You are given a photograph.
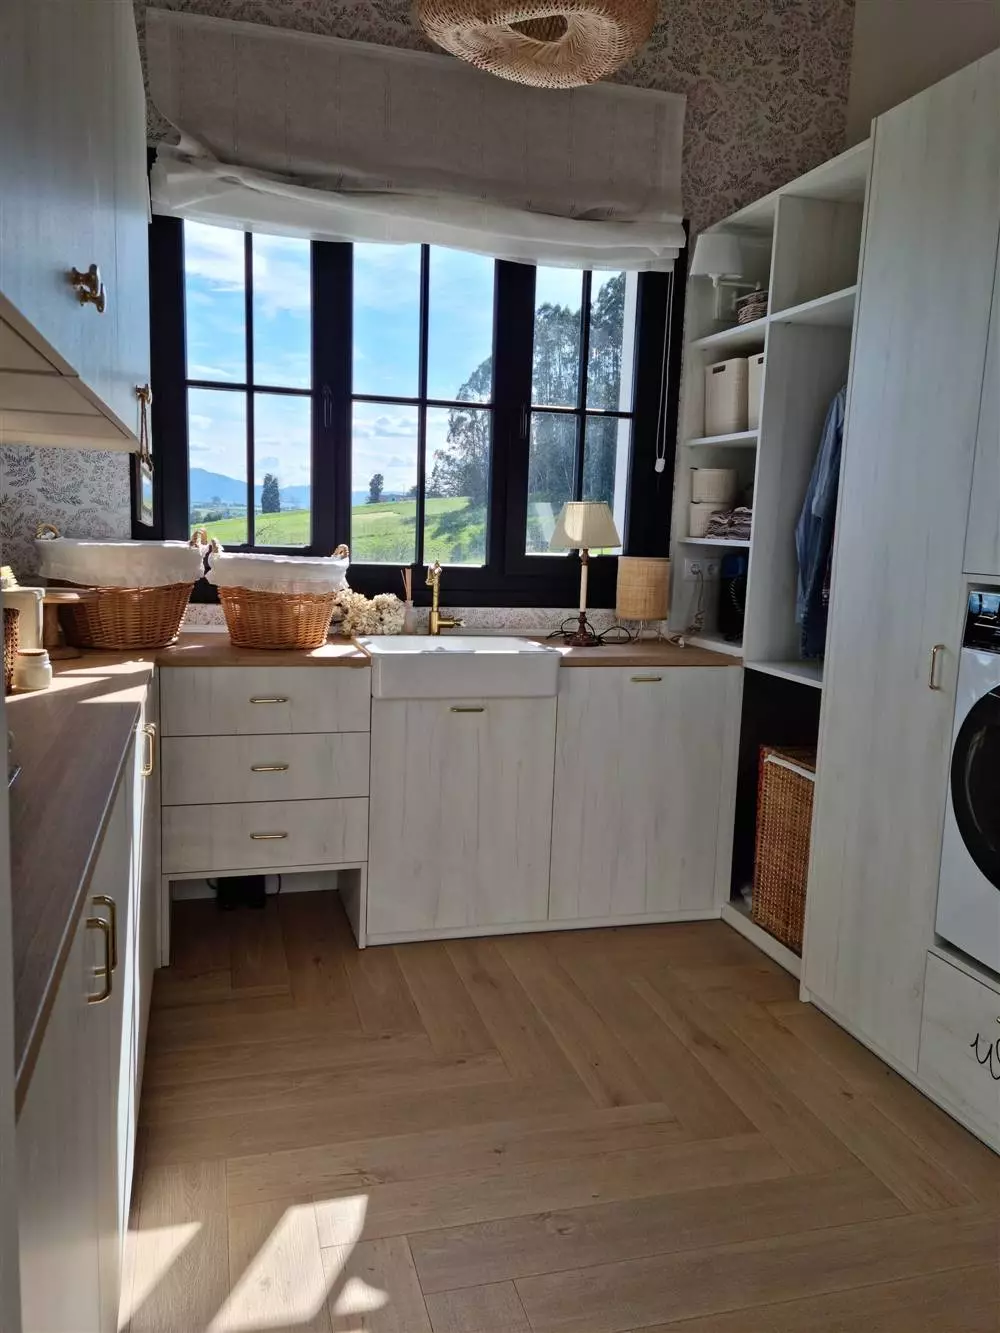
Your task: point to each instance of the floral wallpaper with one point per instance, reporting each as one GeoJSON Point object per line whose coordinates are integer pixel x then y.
{"type": "Point", "coordinates": [766, 80]}
{"type": "Point", "coordinates": [84, 492]}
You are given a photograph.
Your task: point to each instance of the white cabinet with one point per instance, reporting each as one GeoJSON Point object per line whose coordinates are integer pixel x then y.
{"type": "Point", "coordinates": [960, 1045]}
{"type": "Point", "coordinates": [264, 701]}
{"type": "Point", "coordinates": [72, 180]}
{"type": "Point", "coordinates": [982, 541]}
{"type": "Point", "coordinates": [461, 815]}
{"type": "Point", "coordinates": [917, 371]}
{"type": "Point", "coordinates": [640, 762]}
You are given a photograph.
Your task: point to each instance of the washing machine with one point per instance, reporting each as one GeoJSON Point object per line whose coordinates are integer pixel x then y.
{"type": "Point", "coordinates": [968, 913]}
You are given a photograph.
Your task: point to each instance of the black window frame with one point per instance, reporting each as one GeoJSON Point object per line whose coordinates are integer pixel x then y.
{"type": "Point", "coordinates": [510, 577]}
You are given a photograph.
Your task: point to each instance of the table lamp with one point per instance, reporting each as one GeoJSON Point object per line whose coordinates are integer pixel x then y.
{"type": "Point", "coordinates": [584, 525]}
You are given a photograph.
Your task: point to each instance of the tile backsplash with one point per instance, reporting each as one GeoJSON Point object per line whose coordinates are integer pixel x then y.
{"type": "Point", "coordinates": [84, 492]}
{"type": "Point", "coordinates": [477, 619]}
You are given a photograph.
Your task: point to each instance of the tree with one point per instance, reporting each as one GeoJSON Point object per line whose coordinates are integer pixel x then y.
{"type": "Point", "coordinates": [375, 488]}
{"type": "Point", "coordinates": [270, 496]}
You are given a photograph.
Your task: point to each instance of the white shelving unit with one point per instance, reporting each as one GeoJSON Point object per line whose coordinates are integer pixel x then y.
{"type": "Point", "coordinates": [740, 439]}
{"type": "Point", "coordinates": [803, 673]}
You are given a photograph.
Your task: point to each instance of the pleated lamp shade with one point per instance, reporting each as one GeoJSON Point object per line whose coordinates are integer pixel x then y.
{"type": "Point", "coordinates": [643, 588]}
{"type": "Point", "coordinates": [584, 525]}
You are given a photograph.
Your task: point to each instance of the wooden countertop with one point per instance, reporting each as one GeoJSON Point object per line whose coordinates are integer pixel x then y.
{"type": "Point", "coordinates": [648, 653]}
{"type": "Point", "coordinates": [71, 742]}
{"type": "Point", "coordinates": [214, 649]}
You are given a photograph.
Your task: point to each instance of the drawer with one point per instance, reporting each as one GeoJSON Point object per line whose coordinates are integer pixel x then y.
{"type": "Point", "coordinates": [960, 1044]}
{"type": "Point", "coordinates": [264, 835]}
{"type": "Point", "coordinates": [214, 770]}
{"type": "Point", "coordinates": [264, 701]}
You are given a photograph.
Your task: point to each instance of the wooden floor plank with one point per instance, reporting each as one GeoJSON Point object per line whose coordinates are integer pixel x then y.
{"type": "Point", "coordinates": [615, 1297]}
{"type": "Point", "coordinates": [964, 1300]}
{"type": "Point", "coordinates": [258, 957]}
{"type": "Point", "coordinates": [373, 1288]}
{"type": "Point", "coordinates": [798, 1135]}
{"type": "Point", "coordinates": [277, 1273]}
{"type": "Point", "coordinates": [313, 937]}
{"type": "Point", "coordinates": [691, 1216]}
{"type": "Point", "coordinates": [450, 1019]}
{"type": "Point", "coordinates": [493, 1309]}
{"type": "Point", "coordinates": [383, 1000]}
{"type": "Point", "coordinates": [463, 1200]}
{"type": "Point", "coordinates": [473, 1149]}
{"type": "Point", "coordinates": [181, 1265]}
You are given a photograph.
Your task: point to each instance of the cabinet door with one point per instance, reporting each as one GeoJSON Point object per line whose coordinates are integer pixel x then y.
{"type": "Point", "coordinates": [640, 759]}
{"type": "Point", "coordinates": [57, 1140]}
{"type": "Point", "coordinates": [927, 278]}
{"type": "Point", "coordinates": [57, 173]}
{"type": "Point", "coordinates": [982, 542]}
{"type": "Point", "coordinates": [461, 813]}
{"type": "Point", "coordinates": [147, 873]}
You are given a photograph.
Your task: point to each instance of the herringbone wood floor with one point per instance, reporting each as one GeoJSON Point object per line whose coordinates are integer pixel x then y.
{"type": "Point", "coordinates": [587, 1132]}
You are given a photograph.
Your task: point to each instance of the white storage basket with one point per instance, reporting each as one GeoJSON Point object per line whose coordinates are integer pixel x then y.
{"type": "Point", "coordinates": [755, 387]}
{"type": "Point", "coordinates": [125, 564]}
{"type": "Point", "coordinates": [714, 485]}
{"type": "Point", "coordinates": [726, 397]}
{"type": "Point", "coordinates": [278, 573]}
{"type": "Point", "coordinates": [700, 517]}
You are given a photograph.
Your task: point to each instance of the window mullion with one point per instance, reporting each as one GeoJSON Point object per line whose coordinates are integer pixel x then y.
{"type": "Point", "coordinates": [248, 321]}
{"type": "Point", "coordinates": [332, 317]}
{"type": "Point", "coordinates": [513, 346]}
{"type": "Point", "coordinates": [581, 397]}
{"type": "Point", "coordinates": [421, 504]}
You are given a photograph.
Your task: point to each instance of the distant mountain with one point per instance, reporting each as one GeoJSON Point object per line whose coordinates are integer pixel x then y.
{"type": "Point", "coordinates": [209, 486]}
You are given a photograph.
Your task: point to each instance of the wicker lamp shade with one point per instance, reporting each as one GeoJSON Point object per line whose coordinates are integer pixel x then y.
{"type": "Point", "coordinates": [643, 588]}
{"type": "Point", "coordinates": [543, 43]}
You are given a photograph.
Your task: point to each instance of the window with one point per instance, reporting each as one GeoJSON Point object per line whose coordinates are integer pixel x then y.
{"type": "Point", "coordinates": [420, 403]}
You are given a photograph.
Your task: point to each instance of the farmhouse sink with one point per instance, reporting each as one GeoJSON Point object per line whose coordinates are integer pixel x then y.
{"type": "Point", "coordinates": [462, 666]}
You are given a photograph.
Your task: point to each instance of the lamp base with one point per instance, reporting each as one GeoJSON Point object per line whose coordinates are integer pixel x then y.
{"type": "Point", "coordinates": [582, 635]}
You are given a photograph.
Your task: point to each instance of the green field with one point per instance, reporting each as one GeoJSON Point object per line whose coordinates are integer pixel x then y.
{"type": "Point", "coordinates": [455, 532]}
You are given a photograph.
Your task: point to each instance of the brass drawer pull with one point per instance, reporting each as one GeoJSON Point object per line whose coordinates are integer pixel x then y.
{"type": "Point", "coordinates": [102, 900]}
{"type": "Point", "coordinates": [471, 708]}
{"type": "Point", "coordinates": [268, 768]}
{"type": "Point", "coordinates": [268, 837]}
{"type": "Point", "coordinates": [269, 699]}
{"type": "Point", "coordinates": [646, 680]}
{"type": "Point", "coordinates": [149, 762]}
{"type": "Point", "coordinates": [99, 923]}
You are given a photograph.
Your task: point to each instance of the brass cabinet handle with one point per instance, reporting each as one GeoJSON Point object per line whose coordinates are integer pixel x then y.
{"type": "Point", "coordinates": [90, 288]}
{"type": "Point", "coordinates": [933, 679]}
{"type": "Point", "coordinates": [102, 900]}
{"type": "Point", "coordinates": [268, 837]}
{"type": "Point", "coordinates": [268, 768]}
{"type": "Point", "coordinates": [471, 708]}
{"type": "Point", "coordinates": [149, 762]}
{"type": "Point", "coordinates": [99, 923]}
{"type": "Point", "coordinates": [269, 699]}
{"type": "Point", "coordinates": [646, 680]}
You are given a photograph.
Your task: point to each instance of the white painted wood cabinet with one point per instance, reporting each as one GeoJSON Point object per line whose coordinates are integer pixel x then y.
{"type": "Point", "coordinates": [642, 758]}
{"type": "Point", "coordinates": [73, 184]}
{"type": "Point", "coordinates": [928, 272]}
{"type": "Point", "coordinates": [982, 541]}
{"type": "Point", "coordinates": [461, 815]}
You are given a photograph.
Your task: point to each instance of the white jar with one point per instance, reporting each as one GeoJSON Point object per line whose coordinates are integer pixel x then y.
{"type": "Point", "coordinates": [32, 669]}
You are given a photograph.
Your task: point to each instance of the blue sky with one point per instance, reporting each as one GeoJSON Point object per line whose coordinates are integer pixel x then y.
{"type": "Point", "coordinates": [386, 308]}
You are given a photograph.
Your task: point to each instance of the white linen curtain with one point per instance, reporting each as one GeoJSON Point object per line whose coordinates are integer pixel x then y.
{"type": "Point", "coordinates": [294, 133]}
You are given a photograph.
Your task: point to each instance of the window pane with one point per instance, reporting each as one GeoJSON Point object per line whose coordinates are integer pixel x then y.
{"type": "Point", "coordinates": [282, 309]}
{"type": "Point", "coordinates": [606, 448]}
{"type": "Point", "coordinates": [384, 472]}
{"type": "Point", "coordinates": [386, 319]}
{"type": "Point", "coordinates": [217, 463]}
{"type": "Point", "coordinates": [458, 479]}
{"type": "Point", "coordinates": [612, 341]}
{"type": "Point", "coordinates": [214, 306]}
{"type": "Point", "coordinates": [555, 374]}
{"type": "Point", "coordinates": [460, 332]}
{"type": "Point", "coordinates": [282, 470]}
{"type": "Point", "coordinates": [551, 464]}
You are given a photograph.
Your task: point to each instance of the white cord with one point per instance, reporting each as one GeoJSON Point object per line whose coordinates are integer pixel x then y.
{"type": "Point", "coordinates": [698, 620]}
{"type": "Point", "coordinates": [661, 443]}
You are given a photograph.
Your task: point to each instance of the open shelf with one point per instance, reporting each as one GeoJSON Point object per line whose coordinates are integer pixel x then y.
{"type": "Point", "coordinates": [737, 914]}
{"type": "Point", "coordinates": [716, 643]}
{"type": "Point", "coordinates": [741, 438]}
{"type": "Point", "coordinates": [739, 543]}
{"type": "Point", "coordinates": [740, 338]}
{"type": "Point", "coordinates": [804, 673]}
{"type": "Point", "coordinates": [834, 311]}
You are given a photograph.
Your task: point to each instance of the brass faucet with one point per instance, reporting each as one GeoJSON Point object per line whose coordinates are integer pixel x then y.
{"type": "Point", "coordinates": [438, 621]}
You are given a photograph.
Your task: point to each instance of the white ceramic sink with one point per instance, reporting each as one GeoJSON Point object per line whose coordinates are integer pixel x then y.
{"type": "Point", "coordinates": [461, 666]}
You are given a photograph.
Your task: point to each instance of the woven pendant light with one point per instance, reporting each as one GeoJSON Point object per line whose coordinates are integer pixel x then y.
{"type": "Point", "coordinates": [543, 43]}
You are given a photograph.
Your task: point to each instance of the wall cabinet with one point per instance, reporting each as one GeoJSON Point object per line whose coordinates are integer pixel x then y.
{"type": "Point", "coordinates": [73, 182]}
{"type": "Point", "coordinates": [640, 763]}
{"type": "Point", "coordinates": [461, 815]}
{"type": "Point", "coordinates": [928, 273]}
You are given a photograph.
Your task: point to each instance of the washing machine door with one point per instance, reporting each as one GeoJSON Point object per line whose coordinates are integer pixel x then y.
{"type": "Point", "coordinates": [975, 784]}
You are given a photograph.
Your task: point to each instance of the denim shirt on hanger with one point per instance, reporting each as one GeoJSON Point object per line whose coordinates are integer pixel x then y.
{"type": "Point", "coordinates": [814, 531]}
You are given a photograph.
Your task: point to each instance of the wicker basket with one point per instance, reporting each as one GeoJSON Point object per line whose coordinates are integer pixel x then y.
{"type": "Point", "coordinates": [751, 307]}
{"type": "Point", "coordinates": [127, 618]}
{"type": "Point", "coordinates": [11, 638]}
{"type": "Point", "coordinates": [277, 619]}
{"type": "Point", "coordinates": [784, 821]}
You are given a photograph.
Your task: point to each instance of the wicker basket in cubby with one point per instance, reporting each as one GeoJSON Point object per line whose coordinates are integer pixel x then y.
{"type": "Point", "coordinates": [784, 820]}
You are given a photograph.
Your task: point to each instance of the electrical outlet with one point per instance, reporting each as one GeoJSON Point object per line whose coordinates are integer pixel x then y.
{"type": "Point", "coordinates": [701, 569]}
{"type": "Point", "coordinates": [711, 569]}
